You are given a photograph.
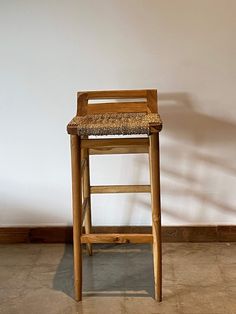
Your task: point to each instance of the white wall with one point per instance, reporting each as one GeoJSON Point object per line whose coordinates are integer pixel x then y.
{"type": "Point", "coordinates": [51, 49]}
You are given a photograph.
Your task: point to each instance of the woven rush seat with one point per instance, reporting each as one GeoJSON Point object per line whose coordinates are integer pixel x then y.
{"type": "Point", "coordinates": [114, 124]}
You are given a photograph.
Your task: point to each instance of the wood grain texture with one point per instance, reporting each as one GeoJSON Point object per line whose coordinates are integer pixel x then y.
{"type": "Point", "coordinates": [77, 213]}
{"type": "Point", "coordinates": [114, 143]}
{"type": "Point", "coordinates": [82, 103]}
{"type": "Point", "coordinates": [83, 107]}
{"type": "Point", "coordinates": [116, 238]}
{"type": "Point", "coordinates": [132, 149]}
{"type": "Point", "coordinates": [117, 107]}
{"type": "Point", "coordinates": [156, 213]}
{"type": "Point", "coordinates": [120, 189]}
{"type": "Point", "coordinates": [84, 208]}
{"type": "Point", "coordinates": [152, 100]}
{"type": "Point", "coordinates": [118, 94]}
{"type": "Point", "coordinates": [86, 196]}
{"type": "Point", "coordinates": [83, 165]}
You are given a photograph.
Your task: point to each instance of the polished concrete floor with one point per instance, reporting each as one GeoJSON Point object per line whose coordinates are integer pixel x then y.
{"type": "Point", "coordinates": [198, 278]}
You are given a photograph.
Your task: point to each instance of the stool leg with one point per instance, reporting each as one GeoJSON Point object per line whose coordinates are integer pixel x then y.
{"type": "Point", "coordinates": [156, 213]}
{"type": "Point", "coordinates": [86, 194]}
{"type": "Point", "coordinates": [77, 208]}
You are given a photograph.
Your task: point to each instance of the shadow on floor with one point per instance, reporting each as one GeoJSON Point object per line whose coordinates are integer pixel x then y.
{"type": "Point", "coordinates": [113, 270]}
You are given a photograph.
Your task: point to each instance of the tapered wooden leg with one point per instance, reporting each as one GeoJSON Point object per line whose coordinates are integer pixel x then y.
{"type": "Point", "coordinates": [86, 194]}
{"type": "Point", "coordinates": [156, 213]}
{"type": "Point", "coordinates": [77, 207]}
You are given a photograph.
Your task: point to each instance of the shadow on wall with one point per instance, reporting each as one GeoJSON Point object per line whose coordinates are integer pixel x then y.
{"type": "Point", "coordinates": [198, 172]}
{"type": "Point", "coordinates": [187, 124]}
{"type": "Point", "coordinates": [198, 162]}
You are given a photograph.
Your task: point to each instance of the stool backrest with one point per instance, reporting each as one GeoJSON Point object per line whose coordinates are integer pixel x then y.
{"type": "Point", "coordinates": [98, 102]}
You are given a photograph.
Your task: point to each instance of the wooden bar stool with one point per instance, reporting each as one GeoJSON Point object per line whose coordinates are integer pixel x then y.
{"type": "Point", "coordinates": [134, 112]}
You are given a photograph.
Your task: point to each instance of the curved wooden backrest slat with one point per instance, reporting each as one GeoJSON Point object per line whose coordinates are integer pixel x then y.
{"type": "Point", "coordinates": [147, 103]}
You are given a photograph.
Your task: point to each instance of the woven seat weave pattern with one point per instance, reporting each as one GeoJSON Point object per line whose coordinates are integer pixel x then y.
{"type": "Point", "coordinates": [115, 124]}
